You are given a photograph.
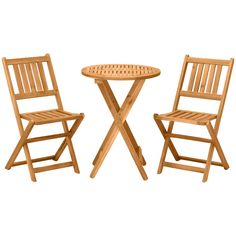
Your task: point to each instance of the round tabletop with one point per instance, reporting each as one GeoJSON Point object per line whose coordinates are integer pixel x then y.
{"type": "Point", "coordinates": [120, 72]}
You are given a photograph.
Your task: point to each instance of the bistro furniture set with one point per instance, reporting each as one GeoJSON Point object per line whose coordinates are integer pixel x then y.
{"type": "Point", "coordinates": [34, 77]}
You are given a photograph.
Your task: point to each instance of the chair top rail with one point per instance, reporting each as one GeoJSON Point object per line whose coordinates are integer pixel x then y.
{"type": "Point", "coordinates": [208, 61]}
{"type": "Point", "coordinates": [14, 61]}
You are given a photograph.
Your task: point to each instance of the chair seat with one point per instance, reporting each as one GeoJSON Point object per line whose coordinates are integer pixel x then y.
{"type": "Point", "coordinates": [198, 118]}
{"type": "Point", "coordinates": [49, 116]}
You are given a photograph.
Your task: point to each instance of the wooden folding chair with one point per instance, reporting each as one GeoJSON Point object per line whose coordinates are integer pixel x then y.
{"type": "Point", "coordinates": [34, 77]}
{"type": "Point", "coordinates": [203, 83]}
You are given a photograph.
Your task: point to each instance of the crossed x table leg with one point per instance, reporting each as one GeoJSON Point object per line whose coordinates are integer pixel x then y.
{"type": "Point", "coordinates": [120, 124]}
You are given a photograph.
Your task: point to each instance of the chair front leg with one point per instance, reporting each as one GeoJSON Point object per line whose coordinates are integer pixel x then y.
{"type": "Point", "coordinates": [217, 146]}
{"type": "Point", "coordinates": [71, 133]}
{"type": "Point", "coordinates": [71, 148]}
{"type": "Point", "coordinates": [208, 163]}
{"type": "Point", "coordinates": [164, 132]}
{"type": "Point", "coordinates": [163, 155]}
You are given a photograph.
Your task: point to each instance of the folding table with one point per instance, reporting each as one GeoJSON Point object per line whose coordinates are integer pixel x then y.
{"type": "Point", "coordinates": [120, 72]}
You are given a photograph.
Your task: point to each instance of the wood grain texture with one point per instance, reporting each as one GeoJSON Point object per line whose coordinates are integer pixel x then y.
{"type": "Point", "coordinates": [103, 73]}
{"type": "Point", "coordinates": [120, 72]}
{"type": "Point", "coordinates": [120, 114]}
{"type": "Point", "coordinates": [32, 83]}
{"type": "Point", "coordinates": [203, 83]}
{"type": "Point", "coordinates": [191, 117]}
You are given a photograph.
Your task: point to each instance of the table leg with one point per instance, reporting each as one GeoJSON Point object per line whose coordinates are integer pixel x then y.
{"type": "Point", "coordinates": [128, 130]}
{"type": "Point", "coordinates": [133, 152]}
{"type": "Point", "coordinates": [104, 149]}
{"type": "Point", "coordinates": [107, 143]}
{"type": "Point", "coordinates": [120, 124]}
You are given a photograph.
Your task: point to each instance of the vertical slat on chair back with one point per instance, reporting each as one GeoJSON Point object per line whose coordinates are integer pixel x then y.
{"type": "Point", "coordinates": [205, 78]}
{"type": "Point", "coordinates": [28, 77]}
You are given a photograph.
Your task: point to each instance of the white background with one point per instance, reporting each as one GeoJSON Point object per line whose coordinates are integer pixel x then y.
{"type": "Point", "coordinates": [117, 201]}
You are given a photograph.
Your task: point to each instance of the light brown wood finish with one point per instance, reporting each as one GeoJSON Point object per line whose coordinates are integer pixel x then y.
{"type": "Point", "coordinates": [114, 130]}
{"type": "Point", "coordinates": [198, 118]}
{"type": "Point", "coordinates": [103, 73]}
{"type": "Point", "coordinates": [120, 72]}
{"type": "Point", "coordinates": [203, 83]}
{"type": "Point", "coordinates": [164, 134]}
{"type": "Point", "coordinates": [31, 82]}
{"type": "Point", "coordinates": [199, 160]}
{"type": "Point", "coordinates": [18, 78]}
{"type": "Point", "coordinates": [119, 117]}
{"type": "Point", "coordinates": [18, 163]}
{"type": "Point", "coordinates": [71, 133]}
{"type": "Point", "coordinates": [189, 137]}
{"type": "Point", "coordinates": [204, 78]}
{"type": "Point", "coordinates": [183, 167]}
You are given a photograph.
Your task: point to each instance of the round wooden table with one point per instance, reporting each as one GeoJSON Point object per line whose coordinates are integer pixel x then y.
{"type": "Point", "coordinates": [103, 73]}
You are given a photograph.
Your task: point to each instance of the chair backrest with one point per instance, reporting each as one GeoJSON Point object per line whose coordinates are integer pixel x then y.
{"type": "Point", "coordinates": [30, 77]}
{"type": "Point", "coordinates": [204, 80]}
